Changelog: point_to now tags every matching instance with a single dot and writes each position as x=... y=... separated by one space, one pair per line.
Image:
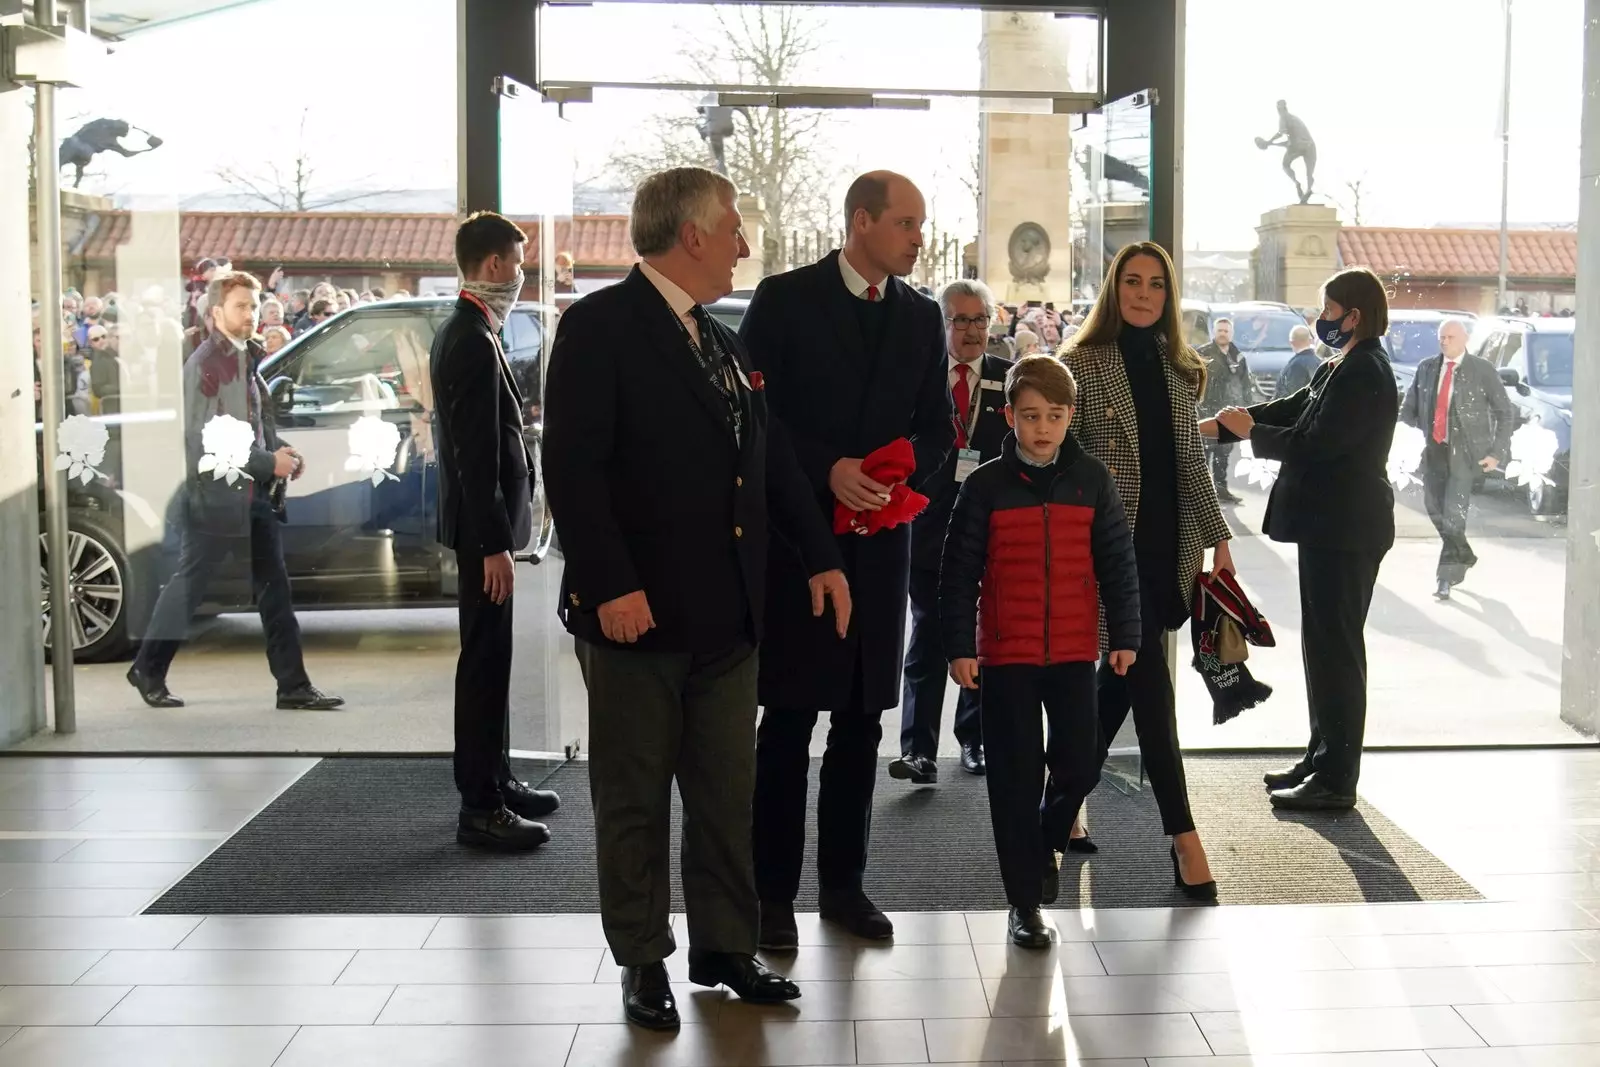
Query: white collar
x=679 y=301
x=854 y=282
x=976 y=365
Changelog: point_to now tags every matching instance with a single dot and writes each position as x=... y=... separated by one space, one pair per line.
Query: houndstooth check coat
x=1107 y=427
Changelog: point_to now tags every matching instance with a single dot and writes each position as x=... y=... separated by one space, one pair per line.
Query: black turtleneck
x=1155 y=533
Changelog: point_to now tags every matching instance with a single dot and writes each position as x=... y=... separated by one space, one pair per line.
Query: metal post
x=47 y=184
x=1505 y=162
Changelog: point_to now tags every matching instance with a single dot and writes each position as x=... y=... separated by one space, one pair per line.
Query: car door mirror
x=281 y=389
x=1510 y=377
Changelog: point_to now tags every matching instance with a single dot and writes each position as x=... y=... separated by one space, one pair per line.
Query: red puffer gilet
x=1042 y=547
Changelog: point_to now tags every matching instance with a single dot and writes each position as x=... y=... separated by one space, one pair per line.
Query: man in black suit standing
x=977 y=391
x=485 y=514
x=1227 y=385
x=1302 y=366
x=1461 y=406
x=662 y=467
x=854 y=359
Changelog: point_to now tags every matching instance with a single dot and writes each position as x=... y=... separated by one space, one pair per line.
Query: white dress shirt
x=681 y=303
x=854 y=282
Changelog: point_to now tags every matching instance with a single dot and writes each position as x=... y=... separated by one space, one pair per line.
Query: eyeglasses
x=962 y=322
x=97 y=337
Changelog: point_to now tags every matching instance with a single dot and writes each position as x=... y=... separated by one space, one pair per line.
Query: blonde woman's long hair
x=1104 y=324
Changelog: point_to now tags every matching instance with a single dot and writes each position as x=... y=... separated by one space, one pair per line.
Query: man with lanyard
x=485 y=514
x=977 y=390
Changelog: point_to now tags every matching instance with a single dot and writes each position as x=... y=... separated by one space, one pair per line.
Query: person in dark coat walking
x=1333 y=499
x=484 y=515
x=665 y=472
x=977 y=389
x=1227 y=385
x=1302 y=366
x=1461 y=406
x=854 y=358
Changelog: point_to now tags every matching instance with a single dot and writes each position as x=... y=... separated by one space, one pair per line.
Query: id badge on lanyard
x=967 y=460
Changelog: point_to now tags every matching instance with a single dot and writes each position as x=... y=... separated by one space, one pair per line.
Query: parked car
x=349 y=541
x=1260 y=330
x=1534 y=357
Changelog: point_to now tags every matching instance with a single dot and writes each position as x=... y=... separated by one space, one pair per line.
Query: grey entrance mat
x=375 y=836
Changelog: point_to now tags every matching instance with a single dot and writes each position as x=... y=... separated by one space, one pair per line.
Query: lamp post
x=1505 y=160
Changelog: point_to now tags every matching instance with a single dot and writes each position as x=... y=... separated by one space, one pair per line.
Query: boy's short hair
x=1046 y=374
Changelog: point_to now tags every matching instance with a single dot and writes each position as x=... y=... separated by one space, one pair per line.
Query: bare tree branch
x=290 y=188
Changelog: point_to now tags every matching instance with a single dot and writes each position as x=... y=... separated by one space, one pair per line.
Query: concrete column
x=22 y=707
x=1297 y=248
x=1580 y=674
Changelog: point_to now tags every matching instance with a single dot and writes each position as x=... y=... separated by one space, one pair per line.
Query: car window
x=1510 y=345
x=1550 y=359
x=728 y=316
x=1411 y=342
x=370 y=363
x=1254 y=331
x=525 y=331
x=1488 y=348
x=1195 y=328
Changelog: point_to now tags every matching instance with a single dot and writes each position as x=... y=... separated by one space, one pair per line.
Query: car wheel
x=1544 y=499
x=98 y=570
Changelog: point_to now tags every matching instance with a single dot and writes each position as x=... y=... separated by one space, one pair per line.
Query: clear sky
x=1399 y=94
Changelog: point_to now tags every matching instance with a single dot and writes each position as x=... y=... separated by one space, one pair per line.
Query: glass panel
x=1480 y=659
x=895 y=49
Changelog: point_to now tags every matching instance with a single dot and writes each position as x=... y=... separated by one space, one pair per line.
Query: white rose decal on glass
x=1533 y=453
x=374 y=444
x=1258 y=472
x=1405 y=456
x=83 y=448
x=225 y=443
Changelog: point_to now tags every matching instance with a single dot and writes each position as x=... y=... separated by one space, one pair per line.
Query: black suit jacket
x=484 y=490
x=839 y=400
x=988 y=434
x=650 y=490
x=1298 y=372
x=1333 y=439
x=1482 y=416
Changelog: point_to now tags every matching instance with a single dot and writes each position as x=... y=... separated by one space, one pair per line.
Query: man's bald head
x=871 y=193
x=884 y=214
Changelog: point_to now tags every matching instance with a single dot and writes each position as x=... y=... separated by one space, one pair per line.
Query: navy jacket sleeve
x=579 y=439
x=1115 y=567
x=966 y=553
x=793 y=505
x=1353 y=409
x=470 y=386
x=933 y=428
x=764 y=335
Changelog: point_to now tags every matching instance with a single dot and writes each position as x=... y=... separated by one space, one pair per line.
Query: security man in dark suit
x=485 y=514
x=854 y=359
x=1461 y=406
x=1228 y=384
x=662 y=467
x=977 y=392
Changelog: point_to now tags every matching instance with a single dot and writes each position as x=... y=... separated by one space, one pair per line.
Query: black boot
x=500 y=830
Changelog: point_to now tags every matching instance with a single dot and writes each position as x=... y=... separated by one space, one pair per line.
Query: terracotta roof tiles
x=1453 y=254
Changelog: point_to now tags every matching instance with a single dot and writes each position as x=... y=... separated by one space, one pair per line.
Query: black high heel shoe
x=1194 y=891
x=1082 y=844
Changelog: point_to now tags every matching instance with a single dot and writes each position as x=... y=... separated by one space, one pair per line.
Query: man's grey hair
x=1300 y=335
x=668 y=199
x=1223 y=321
x=1456 y=322
x=966 y=287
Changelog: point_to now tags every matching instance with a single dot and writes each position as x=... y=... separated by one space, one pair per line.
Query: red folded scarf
x=890 y=465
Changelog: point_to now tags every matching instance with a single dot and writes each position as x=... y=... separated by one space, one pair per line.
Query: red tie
x=962 y=395
x=872 y=294
x=1441 y=406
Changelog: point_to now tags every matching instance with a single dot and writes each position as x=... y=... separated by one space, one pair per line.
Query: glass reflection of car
x=1413 y=337
x=1260 y=331
x=355 y=536
x=1534 y=358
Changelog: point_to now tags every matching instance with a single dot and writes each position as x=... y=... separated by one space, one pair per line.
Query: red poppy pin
x=757 y=382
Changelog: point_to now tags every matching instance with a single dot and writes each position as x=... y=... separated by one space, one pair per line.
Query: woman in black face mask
x=1333 y=499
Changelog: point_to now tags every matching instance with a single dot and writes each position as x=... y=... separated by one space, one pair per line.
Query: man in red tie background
x=1461 y=406
x=977 y=391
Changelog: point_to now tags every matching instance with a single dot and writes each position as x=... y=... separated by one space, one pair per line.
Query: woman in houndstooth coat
x=1137 y=387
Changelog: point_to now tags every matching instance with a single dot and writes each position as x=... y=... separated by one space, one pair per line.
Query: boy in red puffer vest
x=1037 y=545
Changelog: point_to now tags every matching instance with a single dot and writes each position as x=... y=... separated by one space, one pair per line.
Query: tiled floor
x=1513 y=981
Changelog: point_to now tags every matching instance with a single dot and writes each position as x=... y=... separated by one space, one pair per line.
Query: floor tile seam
x=1456 y=1010
x=284 y=1050
x=85 y=972
x=115 y=1006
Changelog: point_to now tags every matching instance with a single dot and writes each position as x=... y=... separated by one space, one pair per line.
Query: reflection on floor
x=1481 y=669
x=1510 y=982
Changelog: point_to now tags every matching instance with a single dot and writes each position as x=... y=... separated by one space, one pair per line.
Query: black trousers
x=202 y=552
x=1024 y=820
x=1447 y=477
x=483 y=689
x=655 y=717
x=844 y=800
x=1221 y=461
x=1335 y=595
x=926 y=671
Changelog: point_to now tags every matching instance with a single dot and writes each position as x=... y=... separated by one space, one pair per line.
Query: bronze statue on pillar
x=1297 y=144
x=716 y=126
x=101 y=135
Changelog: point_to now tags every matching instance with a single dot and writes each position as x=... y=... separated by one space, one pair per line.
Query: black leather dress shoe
x=500 y=830
x=647 y=998
x=778 y=930
x=918 y=770
x=1442 y=592
x=1026 y=927
x=972 y=759
x=747 y=976
x=1314 y=794
x=528 y=802
x=152 y=690
x=308 y=698
x=854 y=912
x=1052 y=878
x=1287 y=778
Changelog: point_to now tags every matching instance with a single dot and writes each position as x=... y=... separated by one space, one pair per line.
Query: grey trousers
x=654 y=717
